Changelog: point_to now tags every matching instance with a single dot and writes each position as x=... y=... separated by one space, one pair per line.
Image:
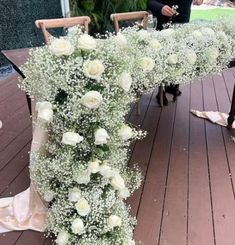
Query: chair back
x=140 y=15
x=61 y=22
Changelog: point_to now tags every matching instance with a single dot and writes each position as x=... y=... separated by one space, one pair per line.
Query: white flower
x=86 y=42
x=125 y=132
x=74 y=194
x=125 y=81
x=197 y=35
x=93 y=69
x=143 y=34
x=155 y=44
x=114 y=221
x=212 y=54
x=71 y=138
x=191 y=56
x=101 y=136
x=60 y=47
x=167 y=32
x=129 y=242
x=124 y=193
x=45 y=112
x=121 y=40
x=106 y=171
x=49 y=195
x=77 y=226
x=82 y=206
x=117 y=182
x=83 y=177
x=94 y=166
x=147 y=64
x=222 y=36
x=62 y=238
x=172 y=59
x=0 y=124
x=207 y=32
x=92 y=99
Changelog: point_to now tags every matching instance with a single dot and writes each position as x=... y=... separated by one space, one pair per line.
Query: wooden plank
x=17 y=56
x=13 y=126
x=151 y=204
x=142 y=150
x=9 y=88
x=221 y=188
x=9 y=106
x=15 y=147
x=223 y=104
x=14 y=168
x=200 y=219
x=174 y=219
x=31 y=237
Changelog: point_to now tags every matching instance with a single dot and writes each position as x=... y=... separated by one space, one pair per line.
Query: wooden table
x=17 y=57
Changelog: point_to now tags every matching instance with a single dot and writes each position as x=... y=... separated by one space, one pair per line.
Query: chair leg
x=160 y=90
x=231 y=117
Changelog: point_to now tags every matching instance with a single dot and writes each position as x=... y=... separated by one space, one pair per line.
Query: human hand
x=167 y=11
x=197 y=2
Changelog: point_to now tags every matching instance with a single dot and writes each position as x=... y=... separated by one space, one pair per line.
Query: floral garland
x=84 y=87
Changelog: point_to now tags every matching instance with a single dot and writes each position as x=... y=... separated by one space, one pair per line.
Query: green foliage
x=100 y=11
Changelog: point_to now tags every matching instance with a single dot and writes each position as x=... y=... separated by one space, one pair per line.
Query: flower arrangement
x=83 y=88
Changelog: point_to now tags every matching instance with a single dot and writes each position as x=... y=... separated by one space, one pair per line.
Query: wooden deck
x=187 y=197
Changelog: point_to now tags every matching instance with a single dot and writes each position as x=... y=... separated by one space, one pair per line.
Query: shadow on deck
x=187 y=197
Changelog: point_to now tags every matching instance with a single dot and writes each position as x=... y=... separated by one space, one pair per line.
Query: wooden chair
x=61 y=22
x=141 y=15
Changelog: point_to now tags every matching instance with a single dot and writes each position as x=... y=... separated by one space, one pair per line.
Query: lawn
x=212 y=13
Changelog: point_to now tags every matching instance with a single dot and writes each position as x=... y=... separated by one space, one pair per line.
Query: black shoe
x=165 y=100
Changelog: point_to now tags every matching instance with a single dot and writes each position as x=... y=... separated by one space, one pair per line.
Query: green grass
x=211 y=14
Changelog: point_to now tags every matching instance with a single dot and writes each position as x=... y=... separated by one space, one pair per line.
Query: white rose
x=117 y=182
x=125 y=81
x=94 y=166
x=45 y=112
x=121 y=40
x=147 y=64
x=71 y=138
x=92 y=99
x=114 y=221
x=77 y=226
x=155 y=44
x=86 y=42
x=60 y=47
x=167 y=32
x=101 y=136
x=49 y=195
x=82 y=206
x=124 y=193
x=207 y=32
x=212 y=54
x=74 y=194
x=106 y=171
x=83 y=177
x=197 y=35
x=191 y=56
x=93 y=69
x=125 y=132
x=172 y=59
x=62 y=238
